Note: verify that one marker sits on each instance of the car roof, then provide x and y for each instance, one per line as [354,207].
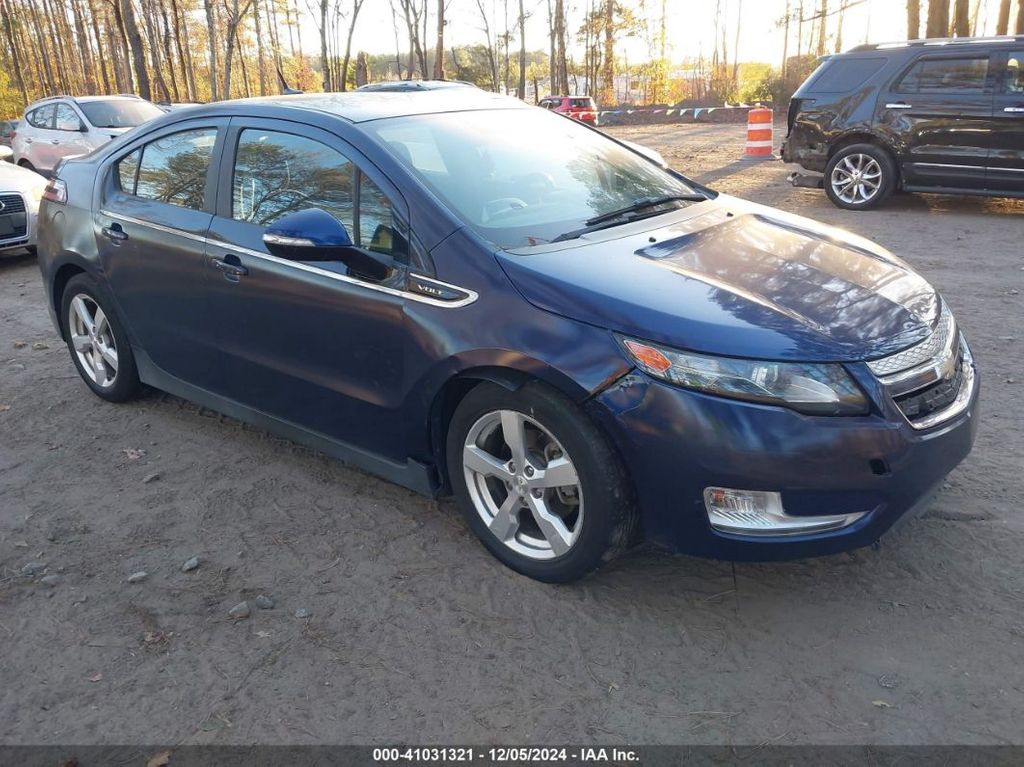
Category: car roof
[938,42]
[362,106]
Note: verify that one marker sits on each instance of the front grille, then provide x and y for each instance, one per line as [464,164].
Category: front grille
[923,352]
[13,220]
[921,404]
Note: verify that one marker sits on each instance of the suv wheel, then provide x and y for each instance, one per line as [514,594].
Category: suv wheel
[97,342]
[860,176]
[538,483]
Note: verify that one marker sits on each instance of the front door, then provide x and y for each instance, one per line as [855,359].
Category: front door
[940,109]
[1006,162]
[158,200]
[309,343]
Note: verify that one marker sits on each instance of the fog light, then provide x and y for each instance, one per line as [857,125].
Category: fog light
[758,512]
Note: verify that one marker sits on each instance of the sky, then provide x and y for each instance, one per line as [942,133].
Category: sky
[690,25]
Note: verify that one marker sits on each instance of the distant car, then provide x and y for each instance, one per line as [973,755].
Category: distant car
[7,128]
[58,127]
[20,192]
[582,108]
[943,116]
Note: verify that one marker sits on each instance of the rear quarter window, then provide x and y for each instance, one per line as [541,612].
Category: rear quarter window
[842,75]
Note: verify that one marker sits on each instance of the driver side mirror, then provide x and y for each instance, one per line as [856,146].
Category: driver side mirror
[313,235]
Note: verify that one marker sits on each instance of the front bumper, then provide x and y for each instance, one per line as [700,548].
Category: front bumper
[676,443]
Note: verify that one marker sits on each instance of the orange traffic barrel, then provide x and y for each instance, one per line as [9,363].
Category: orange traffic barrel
[759,132]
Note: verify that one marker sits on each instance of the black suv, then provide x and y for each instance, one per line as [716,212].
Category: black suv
[923,116]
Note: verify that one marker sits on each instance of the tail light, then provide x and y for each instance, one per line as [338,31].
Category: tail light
[56,191]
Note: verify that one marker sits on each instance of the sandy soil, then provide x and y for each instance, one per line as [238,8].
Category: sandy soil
[414,633]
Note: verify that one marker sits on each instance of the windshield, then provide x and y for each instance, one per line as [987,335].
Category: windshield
[524,177]
[119,113]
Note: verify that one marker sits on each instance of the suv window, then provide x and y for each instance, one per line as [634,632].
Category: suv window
[41,117]
[966,75]
[844,74]
[172,169]
[67,119]
[1015,73]
[280,173]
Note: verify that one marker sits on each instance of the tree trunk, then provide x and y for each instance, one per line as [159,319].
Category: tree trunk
[938,18]
[211,30]
[822,27]
[259,48]
[439,48]
[324,65]
[962,18]
[608,76]
[785,40]
[1020,18]
[914,19]
[561,66]
[521,88]
[356,6]
[131,29]
[736,46]
[19,76]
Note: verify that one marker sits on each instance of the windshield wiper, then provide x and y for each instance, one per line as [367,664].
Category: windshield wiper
[634,212]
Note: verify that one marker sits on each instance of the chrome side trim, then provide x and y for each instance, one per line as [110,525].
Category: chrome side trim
[899,106]
[157,227]
[948,165]
[470,295]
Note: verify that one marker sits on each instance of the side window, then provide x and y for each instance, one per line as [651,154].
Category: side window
[967,75]
[41,117]
[1015,73]
[128,171]
[280,173]
[843,75]
[67,119]
[173,168]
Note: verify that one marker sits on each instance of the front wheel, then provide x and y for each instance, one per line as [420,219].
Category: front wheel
[860,176]
[538,482]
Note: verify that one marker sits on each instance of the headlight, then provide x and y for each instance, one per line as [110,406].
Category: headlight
[808,387]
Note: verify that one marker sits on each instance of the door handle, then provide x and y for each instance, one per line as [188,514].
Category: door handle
[28,140]
[1014,109]
[114,233]
[231,271]
[899,105]
[54,141]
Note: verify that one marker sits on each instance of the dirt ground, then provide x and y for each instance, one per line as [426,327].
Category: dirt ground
[416,634]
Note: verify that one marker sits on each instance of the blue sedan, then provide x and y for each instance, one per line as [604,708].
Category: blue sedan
[466,295]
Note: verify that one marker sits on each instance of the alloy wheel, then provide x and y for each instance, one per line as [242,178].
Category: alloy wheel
[856,179]
[523,484]
[93,340]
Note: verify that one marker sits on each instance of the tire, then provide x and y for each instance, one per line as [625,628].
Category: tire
[852,172]
[27,165]
[102,355]
[552,534]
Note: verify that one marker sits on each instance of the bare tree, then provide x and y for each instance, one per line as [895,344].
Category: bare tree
[521,88]
[439,48]
[492,55]
[356,7]
[914,19]
[134,38]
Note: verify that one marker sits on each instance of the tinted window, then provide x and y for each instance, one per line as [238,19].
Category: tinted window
[67,118]
[843,75]
[1015,73]
[119,113]
[173,168]
[581,103]
[41,117]
[127,171]
[279,173]
[946,76]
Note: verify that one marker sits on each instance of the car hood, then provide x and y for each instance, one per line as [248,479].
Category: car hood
[14,178]
[737,279]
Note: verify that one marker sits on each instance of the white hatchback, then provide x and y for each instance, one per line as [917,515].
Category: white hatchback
[64,126]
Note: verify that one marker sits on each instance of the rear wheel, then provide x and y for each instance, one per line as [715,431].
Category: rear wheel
[26,164]
[538,483]
[860,176]
[97,342]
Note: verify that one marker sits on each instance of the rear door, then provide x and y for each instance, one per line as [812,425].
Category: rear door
[69,138]
[158,198]
[939,110]
[1006,161]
